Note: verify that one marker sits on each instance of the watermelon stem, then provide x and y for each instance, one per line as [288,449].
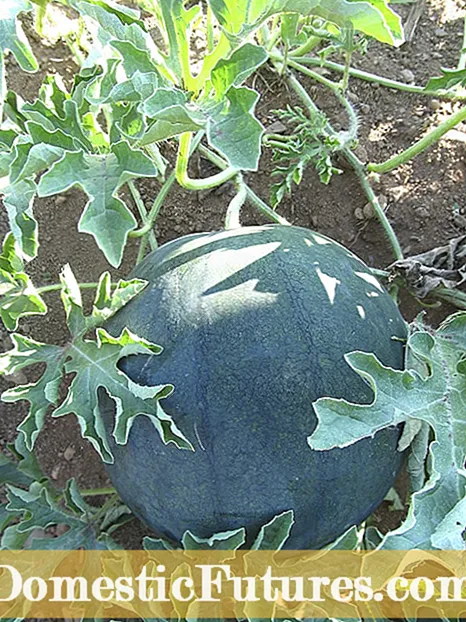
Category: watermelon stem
[371,77]
[421,145]
[251,195]
[350,156]
[182,175]
[96,492]
[232,220]
[147,226]
[58,286]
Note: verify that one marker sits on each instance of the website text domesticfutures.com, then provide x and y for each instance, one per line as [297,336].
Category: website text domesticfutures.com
[214,580]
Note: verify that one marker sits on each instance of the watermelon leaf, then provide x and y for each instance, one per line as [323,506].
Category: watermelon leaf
[234,130]
[18,199]
[40,509]
[105,217]
[273,535]
[13,38]
[18,296]
[156,544]
[236,69]
[436,517]
[374,18]
[435,397]
[94,363]
[449,79]
[225,541]
[24,469]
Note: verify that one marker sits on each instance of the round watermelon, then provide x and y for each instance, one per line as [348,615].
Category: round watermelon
[255,323]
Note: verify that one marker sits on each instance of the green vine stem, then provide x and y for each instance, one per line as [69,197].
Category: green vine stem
[157,204]
[374,201]
[452,296]
[352,132]
[371,77]
[421,145]
[355,162]
[58,286]
[155,209]
[309,45]
[153,214]
[308,72]
[182,176]
[346,72]
[95,492]
[251,195]
[147,226]
[232,220]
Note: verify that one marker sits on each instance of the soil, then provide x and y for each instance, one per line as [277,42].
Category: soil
[425,203]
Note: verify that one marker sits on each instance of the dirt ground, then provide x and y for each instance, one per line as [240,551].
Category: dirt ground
[426,202]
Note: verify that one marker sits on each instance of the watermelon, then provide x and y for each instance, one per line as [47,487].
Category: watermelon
[255,323]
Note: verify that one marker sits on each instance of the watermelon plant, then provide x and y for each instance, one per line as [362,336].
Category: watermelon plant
[250,387]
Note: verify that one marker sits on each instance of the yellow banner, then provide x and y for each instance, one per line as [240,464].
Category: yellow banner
[232,584]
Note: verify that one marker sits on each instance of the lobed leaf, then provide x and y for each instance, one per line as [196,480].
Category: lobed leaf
[41,394]
[18,296]
[224,541]
[40,510]
[374,17]
[233,129]
[18,200]
[437,399]
[448,80]
[236,69]
[273,535]
[95,366]
[105,217]
[13,38]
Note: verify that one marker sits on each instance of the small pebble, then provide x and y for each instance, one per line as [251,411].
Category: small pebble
[60,199]
[277,127]
[352,97]
[368,211]
[435,104]
[361,152]
[358,212]
[322,71]
[365,108]
[69,453]
[440,32]
[55,472]
[407,75]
